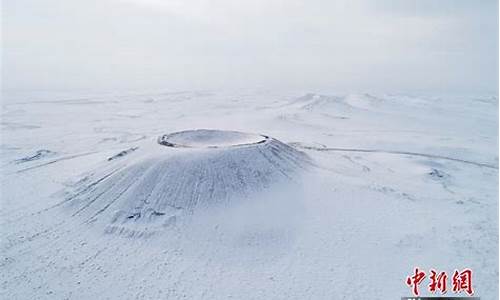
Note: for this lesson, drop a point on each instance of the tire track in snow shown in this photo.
(479, 164)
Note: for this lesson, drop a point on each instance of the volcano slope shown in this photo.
(180, 174)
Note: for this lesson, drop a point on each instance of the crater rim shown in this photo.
(211, 138)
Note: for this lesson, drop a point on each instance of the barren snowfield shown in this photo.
(299, 196)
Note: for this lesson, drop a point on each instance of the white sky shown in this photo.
(348, 45)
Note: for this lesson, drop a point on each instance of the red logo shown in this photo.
(461, 281)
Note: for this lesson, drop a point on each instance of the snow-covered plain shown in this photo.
(388, 183)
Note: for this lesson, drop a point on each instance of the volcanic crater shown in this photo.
(182, 173)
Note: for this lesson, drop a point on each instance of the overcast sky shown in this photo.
(347, 45)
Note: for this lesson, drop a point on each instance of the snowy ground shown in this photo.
(397, 182)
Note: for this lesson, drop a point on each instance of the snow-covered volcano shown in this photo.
(410, 180)
(183, 172)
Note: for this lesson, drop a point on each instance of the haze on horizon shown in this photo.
(389, 45)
